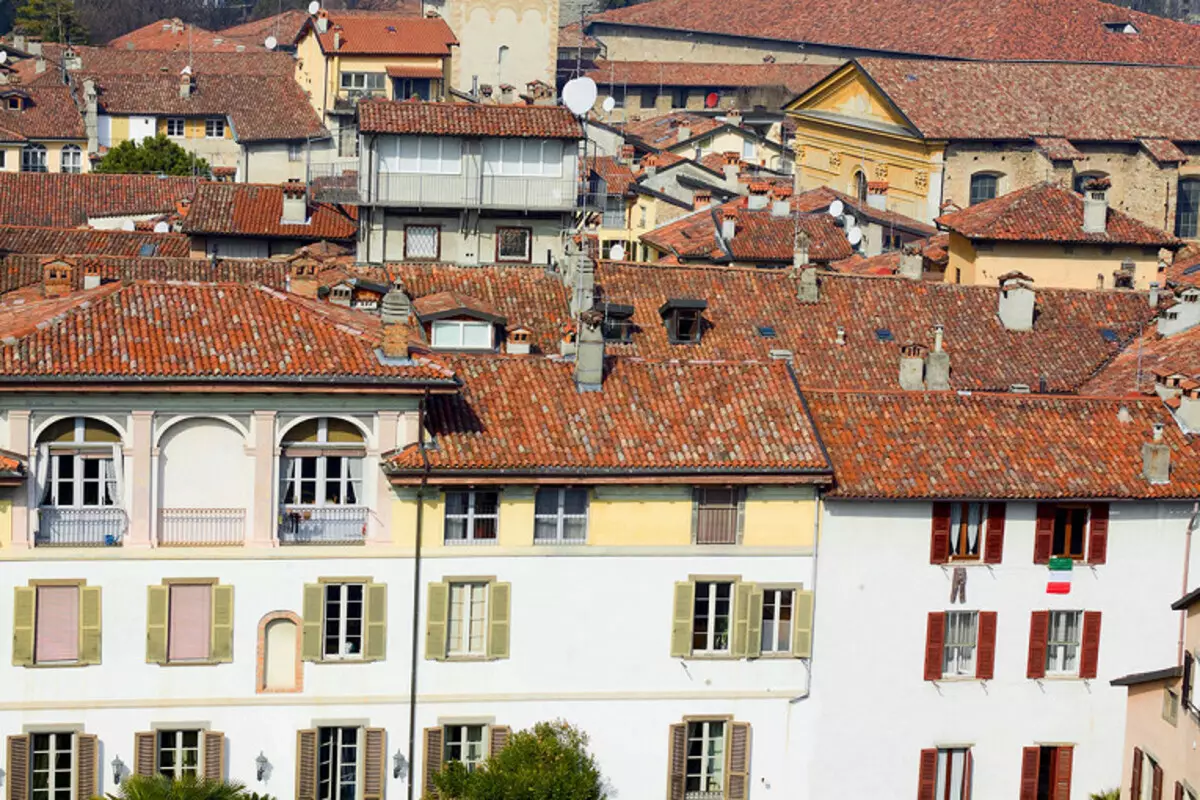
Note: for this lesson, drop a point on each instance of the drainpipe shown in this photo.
(1187, 557)
(416, 599)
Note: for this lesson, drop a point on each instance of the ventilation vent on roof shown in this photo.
(766, 331)
(1121, 27)
(1019, 388)
(910, 77)
(1109, 335)
(148, 250)
(391, 28)
(884, 335)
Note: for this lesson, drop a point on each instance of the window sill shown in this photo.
(329, 660)
(714, 657)
(205, 662)
(958, 679)
(1062, 678)
(469, 659)
(59, 665)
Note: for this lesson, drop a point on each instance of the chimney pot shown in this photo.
(1153, 296)
(728, 226)
(684, 133)
(937, 364)
(518, 342)
(701, 200)
(1017, 302)
(912, 367)
(589, 353)
(1095, 211)
(395, 307)
(808, 290)
(1156, 457)
(56, 277)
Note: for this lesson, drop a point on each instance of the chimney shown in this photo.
(734, 117)
(1095, 206)
(650, 164)
(800, 252)
(395, 307)
(728, 224)
(35, 48)
(683, 133)
(485, 89)
(91, 115)
(937, 364)
(39, 66)
(1168, 385)
(758, 199)
(72, 61)
(625, 154)
(506, 93)
(337, 40)
(395, 339)
(732, 166)
(1156, 457)
(185, 83)
(302, 278)
(912, 367)
(781, 207)
(840, 336)
(295, 203)
(912, 262)
(877, 195)
(91, 278)
(1188, 412)
(1153, 296)
(1016, 301)
(1182, 316)
(518, 342)
(808, 290)
(322, 22)
(589, 354)
(701, 200)
(56, 276)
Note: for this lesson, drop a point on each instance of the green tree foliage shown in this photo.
(189, 787)
(1111, 794)
(156, 155)
(51, 21)
(550, 762)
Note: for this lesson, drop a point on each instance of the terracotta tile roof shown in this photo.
(618, 178)
(568, 37)
(414, 71)
(51, 113)
(211, 332)
(946, 445)
(59, 200)
(285, 27)
(522, 414)
(934, 250)
(819, 199)
(1068, 30)
(21, 275)
(101, 62)
(760, 236)
(794, 77)
(1046, 212)
(663, 132)
(88, 241)
(879, 315)
(464, 119)
(249, 209)
(1057, 148)
(1163, 151)
(1184, 269)
(385, 34)
(174, 34)
(1079, 102)
(11, 466)
(444, 303)
(1131, 372)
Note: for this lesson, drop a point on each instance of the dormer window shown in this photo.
(456, 321)
(14, 104)
(341, 295)
(618, 323)
(683, 318)
(461, 334)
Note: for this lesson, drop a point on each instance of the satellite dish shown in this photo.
(855, 236)
(849, 221)
(162, 227)
(617, 253)
(579, 95)
(314, 7)
(271, 43)
(186, 70)
(3, 56)
(711, 100)
(608, 105)
(128, 225)
(836, 208)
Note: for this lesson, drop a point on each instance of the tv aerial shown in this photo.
(579, 95)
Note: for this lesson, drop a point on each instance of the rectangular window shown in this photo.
(523, 157)
(179, 753)
(465, 744)
(966, 528)
(560, 515)
(51, 766)
(958, 653)
(748, 150)
(683, 325)
(705, 771)
(1062, 644)
(1070, 527)
(953, 773)
(322, 480)
(717, 514)
(189, 611)
(649, 98)
(711, 615)
(337, 763)
(343, 623)
(81, 480)
(426, 155)
(214, 128)
(467, 628)
(175, 127)
(362, 81)
(295, 151)
(461, 334)
(1046, 772)
(1170, 709)
(778, 605)
(422, 242)
(1187, 208)
(514, 244)
(56, 628)
(679, 98)
(472, 516)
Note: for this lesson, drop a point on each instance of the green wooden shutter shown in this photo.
(802, 624)
(222, 624)
(681, 628)
(437, 608)
(89, 625)
(313, 610)
(754, 630)
(499, 619)
(157, 615)
(375, 633)
(741, 619)
(24, 616)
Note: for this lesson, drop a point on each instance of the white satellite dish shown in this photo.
(854, 235)
(579, 95)
(849, 221)
(3, 56)
(162, 227)
(617, 253)
(836, 208)
(186, 70)
(314, 7)
(128, 225)
(271, 43)
(608, 105)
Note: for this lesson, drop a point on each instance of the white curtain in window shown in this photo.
(354, 490)
(974, 522)
(113, 477)
(290, 489)
(42, 467)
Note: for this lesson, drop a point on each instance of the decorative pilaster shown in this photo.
(25, 499)
(264, 505)
(139, 459)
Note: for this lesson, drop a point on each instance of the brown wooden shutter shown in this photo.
(214, 755)
(374, 761)
(87, 765)
(1178, 790)
(1089, 658)
(738, 782)
(927, 775)
(985, 656)
(939, 544)
(17, 775)
(498, 738)
(306, 764)
(1098, 534)
(1135, 785)
(143, 754)
(677, 765)
(935, 642)
(1029, 772)
(433, 756)
(1043, 537)
(1185, 696)
(993, 544)
(1156, 783)
(968, 774)
(1062, 777)
(1039, 630)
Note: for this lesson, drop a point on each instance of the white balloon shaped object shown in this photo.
(617, 253)
(162, 227)
(3, 56)
(128, 225)
(855, 236)
(314, 7)
(836, 208)
(271, 43)
(608, 105)
(579, 95)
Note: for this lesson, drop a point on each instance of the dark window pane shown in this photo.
(485, 528)
(456, 502)
(546, 501)
(487, 502)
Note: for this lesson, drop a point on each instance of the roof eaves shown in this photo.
(1137, 678)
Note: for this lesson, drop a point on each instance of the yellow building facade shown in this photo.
(1049, 264)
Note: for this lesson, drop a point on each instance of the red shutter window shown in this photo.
(939, 547)
(1156, 783)
(1178, 790)
(935, 638)
(1062, 773)
(1043, 533)
(1039, 630)
(1098, 534)
(993, 546)
(1135, 783)
(927, 778)
(1030, 758)
(190, 612)
(1089, 658)
(57, 626)
(985, 660)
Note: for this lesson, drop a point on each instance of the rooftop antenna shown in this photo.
(579, 96)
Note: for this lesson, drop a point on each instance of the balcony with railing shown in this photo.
(201, 527)
(323, 525)
(80, 527)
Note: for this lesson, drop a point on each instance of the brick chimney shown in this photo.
(1156, 457)
(701, 200)
(912, 367)
(1017, 301)
(56, 276)
(589, 353)
(518, 343)
(937, 364)
(302, 277)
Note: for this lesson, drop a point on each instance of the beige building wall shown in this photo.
(12, 156)
(382, 237)
(1050, 265)
(527, 28)
(629, 44)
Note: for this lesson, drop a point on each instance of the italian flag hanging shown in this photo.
(1060, 576)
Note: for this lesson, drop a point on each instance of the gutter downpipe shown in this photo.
(1187, 558)
(416, 599)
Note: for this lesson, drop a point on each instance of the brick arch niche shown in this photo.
(279, 667)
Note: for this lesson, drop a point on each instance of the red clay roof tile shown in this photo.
(88, 241)
(248, 209)
(62, 200)
(465, 119)
(49, 112)
(381, 33)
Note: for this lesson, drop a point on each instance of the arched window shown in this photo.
(1187, 208)
(984, 186)
(860, 185)
(79, 475)
(33, 158)
(72, 159)
(322, 475)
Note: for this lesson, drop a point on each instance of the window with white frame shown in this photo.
(337, 763)
(80, 464)
(178, 753)
(514, 244)
(343, 621)
(422, 242)
(214, 128)
(33, 158)
(472, 516)
(958, 649)
(966, 525)
(52, 762)
(777, 620)
(323, 464)
(560, 515)
(72, 160)
(705, 771)
(523, 157)
(175, 127)
(461, 334)
(712, 612)
(465, 744)
(362, 81)
(953, 773)
(426, 155)
(1062, 644)
(748, 149)
(295, 151)
(466, 631)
